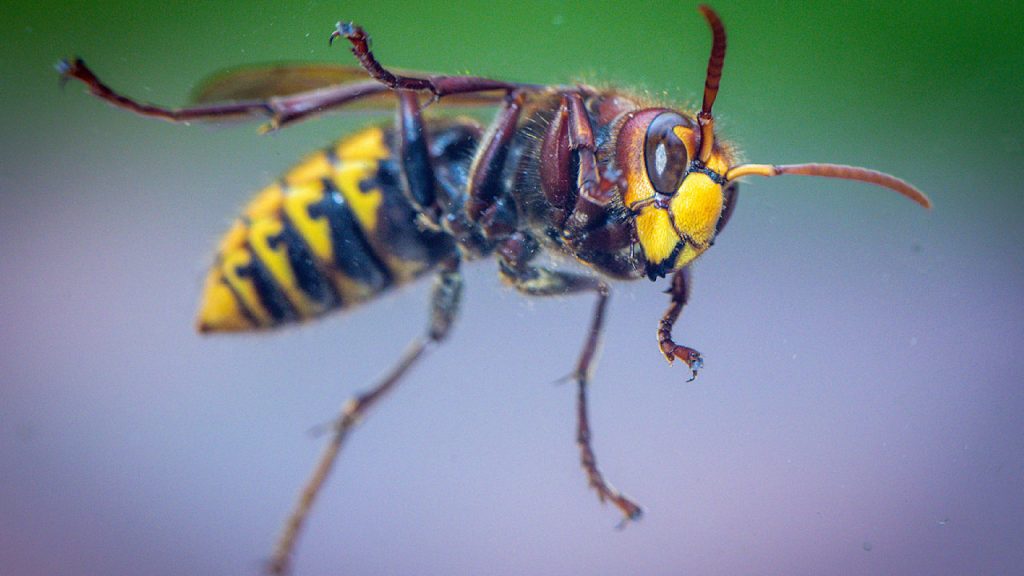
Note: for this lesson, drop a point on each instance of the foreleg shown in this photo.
(680, 292)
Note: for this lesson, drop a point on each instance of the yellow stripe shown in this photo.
(234, 238)
(276, 262)
(313, 167)
(244, 287)
(266, 204)
(317, 235)
(219, 310)
(364, 205)
(366, 145)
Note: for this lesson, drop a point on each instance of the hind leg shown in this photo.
(444, 307)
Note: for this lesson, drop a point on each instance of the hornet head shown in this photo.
(681, 183)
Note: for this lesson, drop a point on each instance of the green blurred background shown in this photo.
(860, 409)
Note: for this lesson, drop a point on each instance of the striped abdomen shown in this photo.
(334, 231)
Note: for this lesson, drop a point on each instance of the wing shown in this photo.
(267, 81)
(258, 83)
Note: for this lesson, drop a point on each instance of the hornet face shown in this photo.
(679, 202)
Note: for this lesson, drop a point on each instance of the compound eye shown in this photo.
(665, 154)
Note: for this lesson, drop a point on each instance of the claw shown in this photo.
(635, 516)
(272, 126)
(695, 362)
(691, 357)
(63, 68)
(346, 29)
(574, 376)
(434, 99)
(570, 377)
(631, 512)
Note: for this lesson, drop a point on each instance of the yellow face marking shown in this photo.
(364, 205)
(696, 207)
(218, 309)
(687, 255)
(276, 262)
(638, 188)
(313, 167)
(366, 145)
(689, 138)
(243, 287)
(654, 229)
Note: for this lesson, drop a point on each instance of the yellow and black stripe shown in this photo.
(336, 230)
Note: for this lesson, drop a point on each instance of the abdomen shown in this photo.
(334, 231)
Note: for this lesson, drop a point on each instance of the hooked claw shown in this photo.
(346, 29)
(691, 357)
(65, 69)
(633, 516)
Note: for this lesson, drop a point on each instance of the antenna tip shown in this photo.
(709, 13)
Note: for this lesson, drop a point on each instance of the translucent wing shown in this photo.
(266, 81)
(253, 83)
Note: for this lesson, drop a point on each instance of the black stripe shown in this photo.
(698, 166)
(308, 275)
(352, 252)
(655, 271)
(241, 303)
(399, 228)
(268, 292)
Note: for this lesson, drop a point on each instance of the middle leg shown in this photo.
(515, 254)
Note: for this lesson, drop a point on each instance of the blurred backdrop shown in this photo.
(860, 409)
